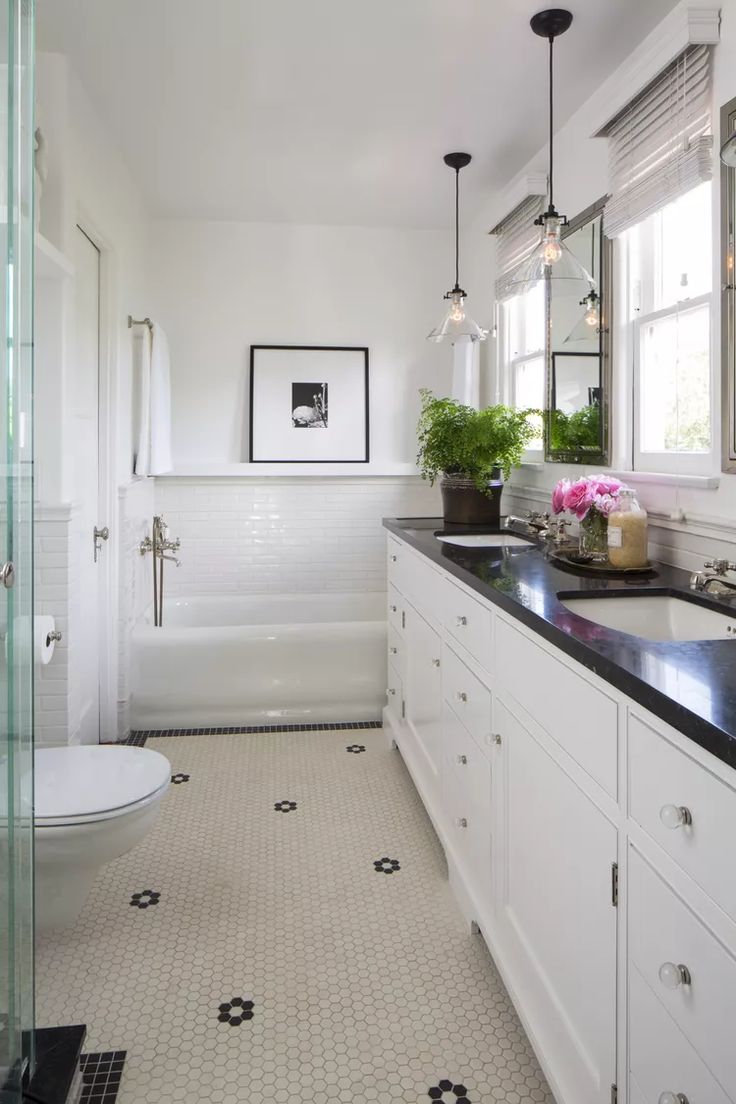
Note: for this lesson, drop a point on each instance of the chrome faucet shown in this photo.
(713, 581)
(159, 544)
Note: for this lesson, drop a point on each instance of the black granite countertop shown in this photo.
(691, 686)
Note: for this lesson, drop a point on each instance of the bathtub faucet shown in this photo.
(159, 544)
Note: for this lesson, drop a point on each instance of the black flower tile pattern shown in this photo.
(356, 748)
(145, 899)
(138, 737)
(386, 865)
(338, 960)
(177, 779)
(450, 1093)
(101, 1076)
(285, 806)
(235, 1011)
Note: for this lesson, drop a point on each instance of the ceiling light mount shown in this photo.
(551, 23)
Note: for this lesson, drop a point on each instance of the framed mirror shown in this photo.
(728, 297)
(578, 355)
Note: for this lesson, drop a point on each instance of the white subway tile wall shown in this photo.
(285, 535)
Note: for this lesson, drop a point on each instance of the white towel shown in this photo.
(153, 455)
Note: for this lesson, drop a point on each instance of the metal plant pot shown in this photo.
(464, 504)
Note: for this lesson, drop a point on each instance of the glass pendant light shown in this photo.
(457, 325)
(551, 259)
(589, 326)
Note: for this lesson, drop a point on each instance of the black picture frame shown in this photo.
(255, 349)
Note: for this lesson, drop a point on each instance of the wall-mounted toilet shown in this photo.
(92, 804)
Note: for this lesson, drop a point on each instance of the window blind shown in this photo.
(660, 145)
(517, 237)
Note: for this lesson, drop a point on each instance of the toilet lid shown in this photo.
(95, 779)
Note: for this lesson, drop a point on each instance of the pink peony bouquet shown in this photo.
(597, 493)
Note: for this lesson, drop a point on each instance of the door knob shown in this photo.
(100, 535)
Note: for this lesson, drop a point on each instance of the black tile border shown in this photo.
(138, 737)
(101, 1076)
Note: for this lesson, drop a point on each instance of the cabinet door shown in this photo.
(556, 917)
(423, 694)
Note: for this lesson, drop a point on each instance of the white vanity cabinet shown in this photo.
(593, 845)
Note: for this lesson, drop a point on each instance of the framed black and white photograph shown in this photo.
(308, 404)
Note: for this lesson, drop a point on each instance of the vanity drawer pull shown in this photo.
(435, 663)
(672, 1098)
(493, 738)
(392, 609)
(393, 559)
(673, 975)
(461, 696)
(675, 816)
(390, 691)
(462, 760)
(393, 650)
(461, 822)
(460, 621)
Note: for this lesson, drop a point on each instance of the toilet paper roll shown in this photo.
(43, 648)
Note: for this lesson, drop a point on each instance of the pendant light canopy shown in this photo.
(551, 259)
(457, 325)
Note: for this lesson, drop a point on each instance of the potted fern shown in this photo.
(473, 451)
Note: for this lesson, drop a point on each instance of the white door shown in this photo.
(89, 605)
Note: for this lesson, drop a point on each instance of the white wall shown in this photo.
(217, 288)
(581, 178)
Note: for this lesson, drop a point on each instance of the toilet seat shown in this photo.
(89, 783)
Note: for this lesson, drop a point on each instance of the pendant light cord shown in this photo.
(551, 122)
(457, 229)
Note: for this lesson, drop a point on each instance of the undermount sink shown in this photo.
(485, 540)
(655, 617)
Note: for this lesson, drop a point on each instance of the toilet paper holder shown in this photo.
(53, 637)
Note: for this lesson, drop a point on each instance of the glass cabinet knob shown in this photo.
(461, 822)
(672, 1098)
(390, 691)
(392, 608)
(673, 975)
(675, 816)
(460, 621)
(435, 663)
(462, 760)
(393, 650)
(393, 559)
(461, 696)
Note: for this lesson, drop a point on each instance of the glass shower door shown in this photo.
(16, 546)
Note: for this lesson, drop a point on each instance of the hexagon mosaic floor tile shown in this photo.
(279, 964)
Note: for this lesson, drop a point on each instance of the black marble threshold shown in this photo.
(689, 685)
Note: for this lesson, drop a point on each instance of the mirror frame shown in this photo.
(605, 289)
(728, 297)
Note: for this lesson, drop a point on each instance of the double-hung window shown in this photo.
(660, 150)
(521, 319)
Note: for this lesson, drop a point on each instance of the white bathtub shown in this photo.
(288, 658)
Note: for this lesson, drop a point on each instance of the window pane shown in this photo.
(525, 321)
(685, 247)
(674, 389)
(529, 391)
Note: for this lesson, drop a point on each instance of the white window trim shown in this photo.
(675, 463)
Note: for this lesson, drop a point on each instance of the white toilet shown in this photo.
(92, 804)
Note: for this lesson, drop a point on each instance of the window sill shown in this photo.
(671, 479)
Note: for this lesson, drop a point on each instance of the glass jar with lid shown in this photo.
(627, 532)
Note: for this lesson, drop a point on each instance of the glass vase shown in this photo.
(594, 535)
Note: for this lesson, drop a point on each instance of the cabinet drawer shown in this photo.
(470, 623)
(394, 561)
(662, 929)
(424, 585)
(467, 802)
(663, 780)
(467, 695)
(661, 1060)
(396, 615)
(396, 651)
(581, 717)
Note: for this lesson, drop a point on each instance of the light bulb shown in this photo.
(591, 315)
(551, 249)
(457, 312)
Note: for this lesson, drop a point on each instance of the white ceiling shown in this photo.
(330, 111)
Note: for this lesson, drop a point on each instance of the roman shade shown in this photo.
(517, 236)
(661, 145)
